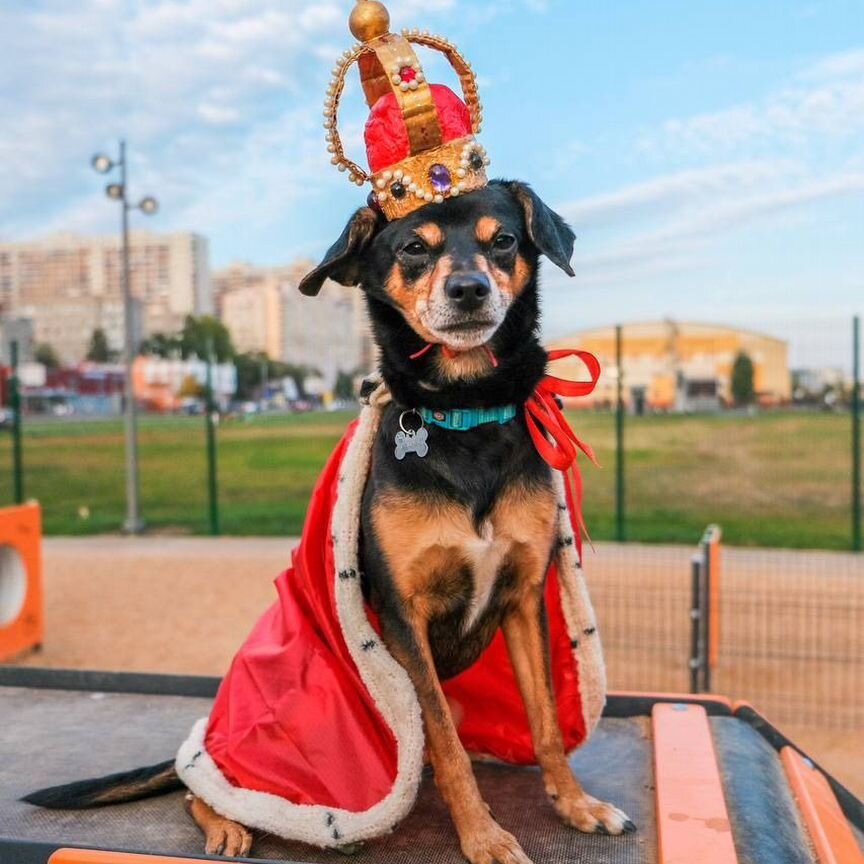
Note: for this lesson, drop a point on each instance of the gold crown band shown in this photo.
(459, 167)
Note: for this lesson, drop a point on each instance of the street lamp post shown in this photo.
(118, 192)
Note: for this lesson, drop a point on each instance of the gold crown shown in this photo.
(420, 136)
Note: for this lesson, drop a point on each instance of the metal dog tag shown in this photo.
(411, 440)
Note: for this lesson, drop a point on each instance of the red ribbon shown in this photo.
(555, 441)
(449, 353)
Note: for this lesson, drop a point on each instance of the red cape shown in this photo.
(315, 732)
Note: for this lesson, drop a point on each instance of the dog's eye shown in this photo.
(415, 249)
(504, 242)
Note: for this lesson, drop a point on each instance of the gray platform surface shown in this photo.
(51, 736)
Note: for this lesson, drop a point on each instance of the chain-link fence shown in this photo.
(781, 629)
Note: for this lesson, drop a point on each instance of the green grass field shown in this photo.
(776, 479)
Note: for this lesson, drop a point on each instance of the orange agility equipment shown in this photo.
(87, 856)
(21, 606)
(829, 831)
(693, 823)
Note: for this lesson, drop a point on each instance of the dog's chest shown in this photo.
(444, 562)
(486, 554)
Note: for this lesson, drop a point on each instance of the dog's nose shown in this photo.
(467, 291)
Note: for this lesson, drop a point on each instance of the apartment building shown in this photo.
(264, 311)
(69, 285)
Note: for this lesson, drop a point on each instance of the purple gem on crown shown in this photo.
(440, 177)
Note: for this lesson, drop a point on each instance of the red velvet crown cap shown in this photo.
(387, 138)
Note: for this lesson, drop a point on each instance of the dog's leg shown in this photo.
(483, 841)
(221, 835)
(524, 633)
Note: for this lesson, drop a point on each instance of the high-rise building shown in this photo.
(264, 311)
(249, 302)
(69, 285)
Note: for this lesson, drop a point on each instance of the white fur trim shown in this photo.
(579, 617)
(386, 681)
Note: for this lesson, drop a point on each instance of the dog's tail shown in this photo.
(112, 789)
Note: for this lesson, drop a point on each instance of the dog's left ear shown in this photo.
(342, 261)
(548, 231)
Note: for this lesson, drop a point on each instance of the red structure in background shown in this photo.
(88, 388)
(87, 379)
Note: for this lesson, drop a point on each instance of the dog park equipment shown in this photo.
(705, 610)
(21, 605)
(705, 780)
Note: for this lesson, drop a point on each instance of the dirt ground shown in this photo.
(792, 640)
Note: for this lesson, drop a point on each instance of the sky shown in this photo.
(710, 156)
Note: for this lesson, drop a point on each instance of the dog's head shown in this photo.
(452, 270)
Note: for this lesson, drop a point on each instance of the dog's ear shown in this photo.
(547, 230)
(342, 261)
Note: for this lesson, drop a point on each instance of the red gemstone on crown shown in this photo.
(408, 73)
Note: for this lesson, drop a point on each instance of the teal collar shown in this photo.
(463, 419)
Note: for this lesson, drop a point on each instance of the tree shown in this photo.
(161, 345)
(199, 333)
(344, 386)
(249, 368)
(99, 352)
(251, 364)
(743, 390)
(299, 372)
(47, 356)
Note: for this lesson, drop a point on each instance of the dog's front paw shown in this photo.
(592, 816)
(224, 837)
(491, 844)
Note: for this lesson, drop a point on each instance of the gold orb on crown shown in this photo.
(369, 20)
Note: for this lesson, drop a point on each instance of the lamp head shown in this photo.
(101, 163)
(148, 205)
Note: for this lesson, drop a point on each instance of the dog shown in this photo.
(455, 545)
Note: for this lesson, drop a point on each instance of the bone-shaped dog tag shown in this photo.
(412, 442)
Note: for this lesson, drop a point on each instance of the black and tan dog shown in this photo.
(457, 544)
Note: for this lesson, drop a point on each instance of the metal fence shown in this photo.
(676, 453)
(781, 629)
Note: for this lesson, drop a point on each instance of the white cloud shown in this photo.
(654, 198)
(847, 64)
(217, 115)
(682, 229)
(830, 109)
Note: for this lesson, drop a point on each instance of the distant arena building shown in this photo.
(678, 366)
